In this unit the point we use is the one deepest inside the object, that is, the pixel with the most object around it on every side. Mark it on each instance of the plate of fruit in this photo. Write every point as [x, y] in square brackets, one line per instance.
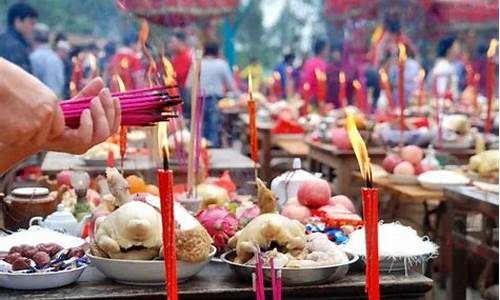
[403, 167]
[43, 266]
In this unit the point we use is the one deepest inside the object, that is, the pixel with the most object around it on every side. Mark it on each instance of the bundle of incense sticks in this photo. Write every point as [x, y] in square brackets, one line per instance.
[140, 107]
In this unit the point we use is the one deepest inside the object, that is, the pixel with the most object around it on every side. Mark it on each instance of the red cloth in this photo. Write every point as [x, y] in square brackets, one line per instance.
[182, 63]
[124, 63]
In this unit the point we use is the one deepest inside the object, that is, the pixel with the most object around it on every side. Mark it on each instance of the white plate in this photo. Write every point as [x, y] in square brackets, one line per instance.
[36, 235]
[30, 192]
[145, 272]
[40, 281]
[437, 180]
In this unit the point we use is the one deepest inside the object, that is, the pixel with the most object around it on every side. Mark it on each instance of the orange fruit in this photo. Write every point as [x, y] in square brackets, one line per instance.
[136, 184]
[152, 189]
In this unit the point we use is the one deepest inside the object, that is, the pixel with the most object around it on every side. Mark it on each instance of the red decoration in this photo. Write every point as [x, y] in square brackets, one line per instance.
[370, 212]
[287, 127]
[254, 146]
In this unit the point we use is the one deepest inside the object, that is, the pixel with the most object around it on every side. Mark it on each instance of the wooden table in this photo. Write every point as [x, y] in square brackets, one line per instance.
[217, 282]
[343, 162]
[241, 167]
[460, 202]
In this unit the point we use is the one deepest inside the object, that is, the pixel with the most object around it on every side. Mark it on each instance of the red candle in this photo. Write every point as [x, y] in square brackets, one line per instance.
[306, 95]
[370, 210]
[490, 83]
[252, 115]
[342, 90]
[386, 87]
[360, 96]
[320, 87]
[401, 86]
[477, 77]
[276, 87]
[165, 182]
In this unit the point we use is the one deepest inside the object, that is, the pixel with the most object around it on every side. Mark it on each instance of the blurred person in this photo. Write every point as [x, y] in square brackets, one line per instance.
[333, 69]
[254, 68]
[215, 76]
[32, 120]
[316, 62]
[127, 64]
[15, 42]
[104, 60]
[412, 70]
[63, 49]
[46, 65]
[181, 61]
[283, 67]
[444, 76]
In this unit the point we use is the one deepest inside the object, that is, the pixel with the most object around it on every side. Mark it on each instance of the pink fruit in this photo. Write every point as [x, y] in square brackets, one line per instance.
[296, 212]
[64, 178]
[421, 168]
[219, 223]
[412, 154]
[314, 193]
[390, 162]
[404, 168]
[340, 138]
[343, 200]
[339, 212]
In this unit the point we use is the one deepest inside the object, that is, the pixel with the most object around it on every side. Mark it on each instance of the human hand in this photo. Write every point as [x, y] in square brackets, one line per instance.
[97, 123]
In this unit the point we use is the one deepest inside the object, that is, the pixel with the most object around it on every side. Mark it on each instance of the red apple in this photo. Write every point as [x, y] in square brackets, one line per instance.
[412, 154]
[343, 200]
[297, 212]
[404, 168]
[390, 162]
[314, 193]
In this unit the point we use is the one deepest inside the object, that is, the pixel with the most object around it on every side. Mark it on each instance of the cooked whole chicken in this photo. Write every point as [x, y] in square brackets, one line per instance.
[264, 230]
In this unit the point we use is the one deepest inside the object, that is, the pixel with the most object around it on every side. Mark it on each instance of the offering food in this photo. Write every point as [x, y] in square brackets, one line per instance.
[49, 257]
[134, 231]
[485, 164]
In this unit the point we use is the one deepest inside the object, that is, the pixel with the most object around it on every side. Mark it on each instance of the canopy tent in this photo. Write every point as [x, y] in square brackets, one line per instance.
[178, 12]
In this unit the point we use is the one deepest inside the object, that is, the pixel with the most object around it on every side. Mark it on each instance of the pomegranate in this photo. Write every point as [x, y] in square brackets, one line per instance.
[314, 193]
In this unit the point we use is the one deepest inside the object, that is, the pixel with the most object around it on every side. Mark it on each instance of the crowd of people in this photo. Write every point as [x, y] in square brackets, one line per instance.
[66, 69]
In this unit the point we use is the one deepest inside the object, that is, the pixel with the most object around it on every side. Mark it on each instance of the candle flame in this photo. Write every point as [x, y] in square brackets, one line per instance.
[250, 87]
[170, 76]
[421, 74]
[306, 86]
[320, 75]
[276, 76]
[162, 132]
[477, 77]
[383, 75]
[341, 77]
[402, 52]
[356, 84]
[92, 62]
[493, 48]
[119, 82]
[124, 63]
[359, 147]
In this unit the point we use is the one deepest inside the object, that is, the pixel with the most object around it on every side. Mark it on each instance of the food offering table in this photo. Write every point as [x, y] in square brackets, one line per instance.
[216, 281]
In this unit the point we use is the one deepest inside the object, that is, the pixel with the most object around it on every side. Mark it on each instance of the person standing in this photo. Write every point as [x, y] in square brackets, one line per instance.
[127, 64]
[46, 65]
[285, 68]
[315, 63]
[63, 48]
[445, 74]
[15, 42]
[181, 61]
[215, 77]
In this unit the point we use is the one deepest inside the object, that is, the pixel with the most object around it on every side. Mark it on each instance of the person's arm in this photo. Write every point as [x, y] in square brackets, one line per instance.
[32, 120]
[228, 78]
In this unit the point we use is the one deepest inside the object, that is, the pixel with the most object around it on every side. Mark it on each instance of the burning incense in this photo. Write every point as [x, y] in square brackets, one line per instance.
[194, 102]
[370, 210]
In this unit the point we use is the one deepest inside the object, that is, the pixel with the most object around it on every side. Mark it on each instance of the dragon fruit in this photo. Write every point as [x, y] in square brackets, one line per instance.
[220, 224]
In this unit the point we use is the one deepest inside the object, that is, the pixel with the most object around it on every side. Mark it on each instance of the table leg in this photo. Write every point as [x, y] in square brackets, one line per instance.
[457, 282]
